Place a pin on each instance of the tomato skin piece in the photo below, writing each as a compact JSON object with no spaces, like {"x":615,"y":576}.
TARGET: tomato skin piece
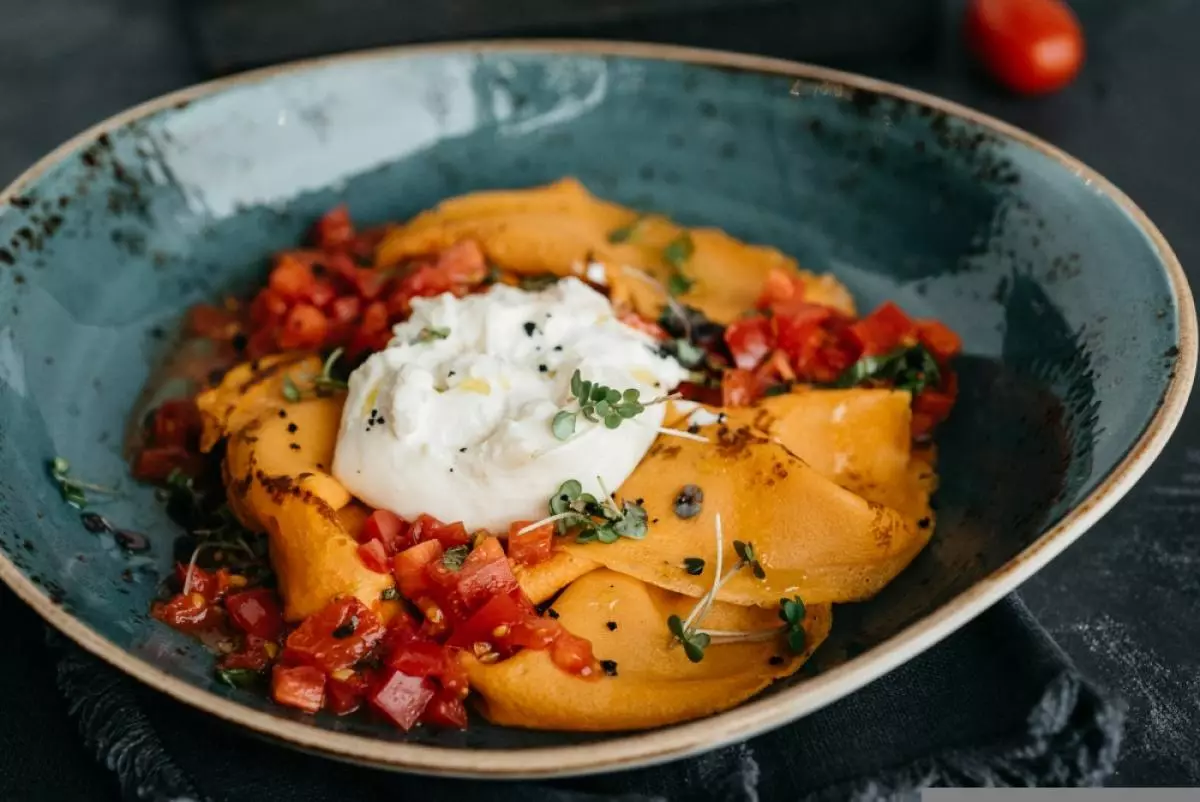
{"x":532,"y":547}
{"x":884,"y":330}
{"x":345,"y":696}
{"x":1030,"y":46}
{"x":375,"y":557}
{"x":256,"y":612}
{"x":301,"y":687}
{"x":316,"y":641}
{"x":451,"y":535}
{"x":157,"y":464}
{"x":253,"y":656}
{"x":401,"y":698}
{"x":176,"y":423}
{"x":211,"y":585}
{"x":388,"y":528}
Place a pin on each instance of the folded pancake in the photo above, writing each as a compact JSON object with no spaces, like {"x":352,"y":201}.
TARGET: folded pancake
{"x":653,"y":683}
{"x":561,"y":228}
{"x":813,"y":537}
{"x":276,"y":475}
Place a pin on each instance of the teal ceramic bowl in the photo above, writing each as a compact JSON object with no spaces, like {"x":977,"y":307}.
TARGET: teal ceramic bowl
{"x":1079,"y":327}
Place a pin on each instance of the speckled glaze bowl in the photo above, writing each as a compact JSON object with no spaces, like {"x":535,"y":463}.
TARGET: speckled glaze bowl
{"x":1079,"y":327}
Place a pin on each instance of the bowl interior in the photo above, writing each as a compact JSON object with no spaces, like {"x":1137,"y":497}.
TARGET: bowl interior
{"x":1069,"y":320}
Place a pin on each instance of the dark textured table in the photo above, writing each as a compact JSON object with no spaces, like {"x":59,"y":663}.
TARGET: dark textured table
{"x":1124,"y":601}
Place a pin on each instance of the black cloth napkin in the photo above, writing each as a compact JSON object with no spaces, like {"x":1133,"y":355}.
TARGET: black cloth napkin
{"x":996,"y":704}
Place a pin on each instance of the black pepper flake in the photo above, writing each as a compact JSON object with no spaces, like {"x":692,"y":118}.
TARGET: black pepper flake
{"x":552,"y":613}
{"x":94,"y":522}
{"x":610,"y":667}
{"x":451,"y":470}
{"x":347,"y":629}
{"x":294,"y":446}
{"x":612,"y":626}
{"x":542,"y":368}
{"x":530,"y":328}
{"x":462,"y":450}
{"x":240,"y":341}
{"x":380,"y":420}
{"x":924,"y":523}
{"x":283,"y":413}
{"x":451,"y":373}
{"x":254,"y":366}
{"x":694,"y":428}
{"x":775,"y":660}
{"x":689,"y":501}
{"x":292,"y":427}
{"x":558,"y":348}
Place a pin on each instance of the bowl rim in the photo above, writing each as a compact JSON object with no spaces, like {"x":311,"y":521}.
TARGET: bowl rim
{"x":750,"y":718}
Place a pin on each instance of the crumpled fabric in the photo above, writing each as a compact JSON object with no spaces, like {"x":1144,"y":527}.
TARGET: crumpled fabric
{"x":997,"y":704}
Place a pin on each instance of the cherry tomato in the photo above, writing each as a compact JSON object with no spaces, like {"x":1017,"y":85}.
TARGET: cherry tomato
{"x":1029,"y":46}
{"x":256,"y":612}
{"x":301,"y":687}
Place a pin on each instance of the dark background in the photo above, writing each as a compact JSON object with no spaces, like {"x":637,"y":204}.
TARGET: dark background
{"x":1124,"y":601}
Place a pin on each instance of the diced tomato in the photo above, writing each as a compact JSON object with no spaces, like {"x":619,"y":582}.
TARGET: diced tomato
{"x":796,"y":330}
{"x":157,"y":464}
{"x":268,"y":308}
{"x":931,"y":407}
{"x":462,"y":263}
{"x":337,"y":637}
{"x":638,"y":323}
{"x":374,"y":556}
{"x":388,"y":528}
{"x":261,"y":343}
{"x":436,"y":623}
{"x":492,"y":624}
{"x":301,"y":687}
{"x":291,"y":278}
{"x":774,"y":369}
{"x":304,"y":328}
{"x":212,"y":586}
{"x":253,"y":655}
{"x":486,"y":572}
{"x":322,"y":293}
{"x":780,"y":287}
{"x":212,"y":322}
{"x":186,"y":611}
{"x":749,"y":340}
{"x":334,"y":229}
{"x":422,"y":658}
{"x":939,"y":338}
{"x":344,"y":310}
{"x":409,"y":568}
{"x":373,"y":330}
{"x":256,"y":612}
{"x":532,"y":547}
{"x":739,"y":388}
{"x":445,"y":710}
{"x":701,"y":394}
{"x":176,"y":423}
{"x":402,"y":698}
{"x":574,"y":655}
{"x":400,"y":629}
{"x":345,"y":691}
{"x":885,"y":329}
{"x":451,"y":535}
{"x":815,"y":340}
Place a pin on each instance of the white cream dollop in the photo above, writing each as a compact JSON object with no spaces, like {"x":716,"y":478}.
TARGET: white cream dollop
{"x":459,"y":427}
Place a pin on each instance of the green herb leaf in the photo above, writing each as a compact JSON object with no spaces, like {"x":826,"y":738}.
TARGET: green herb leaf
{"x":797,"y":639}
{"x":431,"y":333}
{"x":679,"y":284}
{"x":694,"y":646}
{"x":913,"y":369}
{"x":675,"y":625}
{"x":632,"y":523}
{"x":73,"y":491}
{"x":745,"y":553}
{"x":626,"y":232}
{"x":693,"y":565}
{"x":792,"y":611}
{"x":453,"y":558}
{"x":239,"y":677}
{"x":679,"y":250}
{"x":686,"y":353}
{"x":563,"y":425}
{"x":291,"y":392}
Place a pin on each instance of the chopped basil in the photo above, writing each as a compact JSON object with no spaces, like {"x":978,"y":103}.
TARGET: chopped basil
{"x":239,"y":677}
{"x":626,"y":232}
{"x":913,"y":369}
{"x":453,"y":558}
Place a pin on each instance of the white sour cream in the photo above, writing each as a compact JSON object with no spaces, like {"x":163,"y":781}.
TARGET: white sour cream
{"x":460,"y":427}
